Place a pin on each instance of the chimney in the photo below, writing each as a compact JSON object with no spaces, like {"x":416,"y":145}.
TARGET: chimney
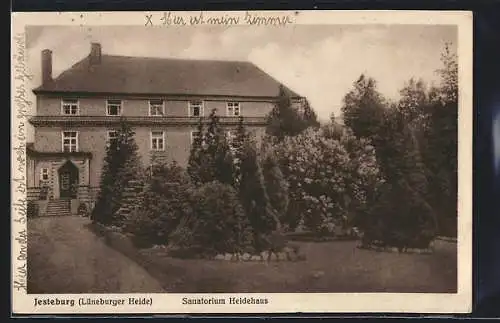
{"x":46,"y":66}
{"x":95,"y":53}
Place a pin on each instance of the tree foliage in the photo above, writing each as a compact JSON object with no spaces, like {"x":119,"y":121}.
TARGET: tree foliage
{"x":363,"y":108}
{"x":219,"y":224}
{"x":275,"y":182}
{"x":416,"y":143}
{"x":167,"y":200}
{"x":254,"y":197}
{"x":195,"y":167}
{"x":329,"y":177}
{"x":121,"y":165}
{"x":286,"y":119}
{"x":440,"y":144}
{"x":210,"y":156}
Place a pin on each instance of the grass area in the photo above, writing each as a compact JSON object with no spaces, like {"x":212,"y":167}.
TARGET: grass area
{"x":335,"y":266}
{"x":65,"y":256}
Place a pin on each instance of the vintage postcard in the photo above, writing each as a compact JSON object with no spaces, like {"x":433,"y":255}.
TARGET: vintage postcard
{"x":241,"y":162}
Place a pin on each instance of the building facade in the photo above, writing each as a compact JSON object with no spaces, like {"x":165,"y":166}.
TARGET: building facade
{"x":78,"y":113}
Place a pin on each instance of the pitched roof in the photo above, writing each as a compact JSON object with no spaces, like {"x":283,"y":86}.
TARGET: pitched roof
{"x":144,"y":75}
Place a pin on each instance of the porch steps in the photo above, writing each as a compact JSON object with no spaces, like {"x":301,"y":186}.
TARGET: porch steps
{"x":58,"y":208}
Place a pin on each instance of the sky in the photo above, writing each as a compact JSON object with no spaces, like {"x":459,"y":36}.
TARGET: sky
{"x":320,"y":62}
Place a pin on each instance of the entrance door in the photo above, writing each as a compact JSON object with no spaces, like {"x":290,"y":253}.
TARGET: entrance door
{"x":68,"y":180}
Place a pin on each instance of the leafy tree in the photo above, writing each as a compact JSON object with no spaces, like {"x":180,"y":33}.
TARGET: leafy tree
{"x":121,"y":166}
{"x":413,"y":102}
{"x":329,"y":177}
{"x":363,"y":108}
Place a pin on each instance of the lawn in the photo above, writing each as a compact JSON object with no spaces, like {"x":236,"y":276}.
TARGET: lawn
{"x":335,"y":266}
{"x":65,"y":256}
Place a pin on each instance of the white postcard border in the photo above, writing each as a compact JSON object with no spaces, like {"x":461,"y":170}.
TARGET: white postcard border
{"x":461,"y":302}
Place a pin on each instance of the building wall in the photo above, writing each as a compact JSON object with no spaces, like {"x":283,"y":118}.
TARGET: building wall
{"x":96,"y":106}
{"x":93,"y":140}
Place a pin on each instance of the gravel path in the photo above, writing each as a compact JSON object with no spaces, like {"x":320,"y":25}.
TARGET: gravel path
{"x":64,"y":256}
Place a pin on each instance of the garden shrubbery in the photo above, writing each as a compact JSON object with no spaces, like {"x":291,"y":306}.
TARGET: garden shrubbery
{"x":386,"y":171}
{"x":329,"y":178}
{"x":220,"y":224}
{"x":166,"y":201}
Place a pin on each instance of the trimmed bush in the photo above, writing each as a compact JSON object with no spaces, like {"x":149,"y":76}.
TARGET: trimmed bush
{"x":166,"y":200}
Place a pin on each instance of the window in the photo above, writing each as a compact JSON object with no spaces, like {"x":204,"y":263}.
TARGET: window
{"x":112,"y":136}
{"x":194,"y":136}
{"x":233,"y":109}
{"x":44,"y":174}
{"x":156,"y":108}
{"x":69,"y":107}
{"x":113,"y":107}
{"x":195,"y":109}
{"x":69,"y":141}
{"x":157,"y":140}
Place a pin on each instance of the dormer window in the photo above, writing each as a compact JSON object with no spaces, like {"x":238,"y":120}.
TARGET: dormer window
{"x":156,"y":108}
{"x":233,"y":109}
{"x":196,"y":109}
{"x":70,"y":107}
{"x":113,"y":107}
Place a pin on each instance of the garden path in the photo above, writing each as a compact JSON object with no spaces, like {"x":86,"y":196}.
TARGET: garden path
{"x":64,"y":256}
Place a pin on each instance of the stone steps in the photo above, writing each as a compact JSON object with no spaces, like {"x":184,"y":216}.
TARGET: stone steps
{"x":58,"y":208}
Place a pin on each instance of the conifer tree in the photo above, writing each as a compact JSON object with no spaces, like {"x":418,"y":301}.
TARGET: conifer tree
{"x":440,"y":144}
{"x":210,"y":158}
{"x":310,"y":118}
{"x":121,"y":166}
{"x":254,"y":197}
{"x":195,"y":162}
{"x":285,"y":120}
{"x":363,"y":108}
{"x":223,"y":159}
{"x":275,"y":183}
{"x":404,"y":216}
{"x":238,"y":143}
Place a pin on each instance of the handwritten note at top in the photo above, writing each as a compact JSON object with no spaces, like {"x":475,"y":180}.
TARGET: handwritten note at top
{"x":199,"y":19}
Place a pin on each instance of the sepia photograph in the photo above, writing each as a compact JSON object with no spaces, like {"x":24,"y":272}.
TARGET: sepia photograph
{"x":243,"y":159}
